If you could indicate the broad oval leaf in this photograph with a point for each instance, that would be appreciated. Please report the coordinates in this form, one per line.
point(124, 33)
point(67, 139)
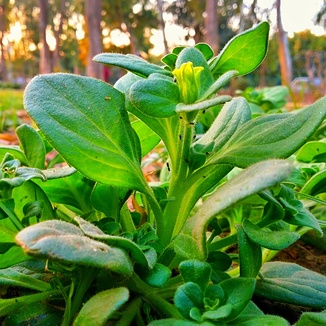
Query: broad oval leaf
point(238, 293)
point(131, 63)
point(66, 243)
point(98, 309)
point(243, 53)
point(86, 121)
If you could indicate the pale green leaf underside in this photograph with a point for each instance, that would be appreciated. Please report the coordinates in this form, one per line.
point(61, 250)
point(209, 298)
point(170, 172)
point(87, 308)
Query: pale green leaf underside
point(249, 181)
point(85, 120)
point(65, 242)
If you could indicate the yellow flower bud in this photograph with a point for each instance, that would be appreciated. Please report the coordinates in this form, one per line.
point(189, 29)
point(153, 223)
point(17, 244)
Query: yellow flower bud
point(188, 79)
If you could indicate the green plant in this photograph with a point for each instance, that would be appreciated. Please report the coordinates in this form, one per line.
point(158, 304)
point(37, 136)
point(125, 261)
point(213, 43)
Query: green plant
point(93, 261)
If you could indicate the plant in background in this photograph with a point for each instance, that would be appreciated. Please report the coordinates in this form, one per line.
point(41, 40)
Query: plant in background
point(87, 259)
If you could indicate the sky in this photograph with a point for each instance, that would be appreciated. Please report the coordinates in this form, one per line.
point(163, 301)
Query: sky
point(297, 15)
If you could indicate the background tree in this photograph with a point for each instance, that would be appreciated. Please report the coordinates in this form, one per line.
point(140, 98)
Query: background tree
point(211, 25)
point(3, 27)
point(283, 48)
point(93, 9)
point(45, 54)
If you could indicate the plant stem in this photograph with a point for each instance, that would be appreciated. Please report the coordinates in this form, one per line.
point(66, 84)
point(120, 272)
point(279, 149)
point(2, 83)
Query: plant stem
point(13, 218)
point(88, 275)
point(164, 308)
point(180, 168)
point(126, 221)
point(130, 312)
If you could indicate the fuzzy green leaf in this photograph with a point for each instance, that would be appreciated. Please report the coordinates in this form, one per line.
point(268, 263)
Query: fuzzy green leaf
point(85, 120)
point(274, 240)
point(291, 283)
point(271, 136)
point(131, 63)
point(196, 271)
point(155, 97)
point(249, 253)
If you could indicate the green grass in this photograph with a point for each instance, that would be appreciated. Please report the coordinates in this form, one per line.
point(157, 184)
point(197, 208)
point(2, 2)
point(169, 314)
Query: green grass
point(11, 100)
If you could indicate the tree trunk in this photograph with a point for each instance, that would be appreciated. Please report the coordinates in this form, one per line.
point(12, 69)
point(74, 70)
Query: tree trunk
point(45, 54)
point(211, 25)
point(93, 10)
point(162, 25)
point(3, 69)
point(57, 33)
point(283, 48)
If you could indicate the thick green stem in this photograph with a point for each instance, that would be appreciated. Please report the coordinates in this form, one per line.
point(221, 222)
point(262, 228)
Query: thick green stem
point(89, 274)
point(180, 168)
point(164, 308)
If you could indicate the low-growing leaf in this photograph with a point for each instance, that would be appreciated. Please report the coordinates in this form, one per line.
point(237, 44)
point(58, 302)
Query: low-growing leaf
point(98, 309)
point(109, 199)
point(74, 190)
point(312, 319)
point(291, 283)
point(261, 320)
point(316, 184)
point(157, 277)
point(238, 293)
point(21, 276)
point(274, 240)
point(15, 151)
point(188, 296)
point(196, 271)
point(65, 242)
point(31, 192)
